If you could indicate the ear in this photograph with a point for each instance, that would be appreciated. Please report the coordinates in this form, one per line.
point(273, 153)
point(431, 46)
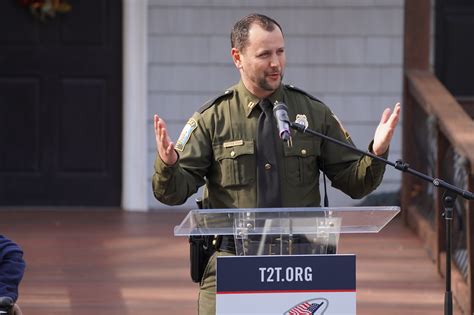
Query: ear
point(236, 57)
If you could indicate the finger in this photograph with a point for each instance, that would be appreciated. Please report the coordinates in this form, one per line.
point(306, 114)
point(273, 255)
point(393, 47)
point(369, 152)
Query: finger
point(170, 148)
point(385, 116)
point(395, 117)
point(155, 122)
point(161, 126)
point(165, 139)
point(398, 108)
point(161, 134)
point(162, 123)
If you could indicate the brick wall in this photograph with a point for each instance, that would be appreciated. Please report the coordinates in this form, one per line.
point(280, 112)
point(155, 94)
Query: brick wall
point(348, 53)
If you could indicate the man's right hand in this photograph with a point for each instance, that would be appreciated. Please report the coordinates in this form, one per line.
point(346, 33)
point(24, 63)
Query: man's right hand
point(163, 142)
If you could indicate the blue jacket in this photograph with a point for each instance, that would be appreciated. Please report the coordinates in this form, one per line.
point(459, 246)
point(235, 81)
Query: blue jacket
point(12, 267)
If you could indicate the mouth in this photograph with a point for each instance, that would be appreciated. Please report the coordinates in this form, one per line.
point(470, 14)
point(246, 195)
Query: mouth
point(274, 76)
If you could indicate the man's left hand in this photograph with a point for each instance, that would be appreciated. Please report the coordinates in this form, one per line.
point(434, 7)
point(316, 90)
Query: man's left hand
point(385, 130)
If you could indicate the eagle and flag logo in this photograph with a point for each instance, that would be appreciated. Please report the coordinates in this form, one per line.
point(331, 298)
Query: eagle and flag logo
point(309, 307)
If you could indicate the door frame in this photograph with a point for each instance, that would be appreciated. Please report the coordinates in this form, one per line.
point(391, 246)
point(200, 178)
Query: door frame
point(135, 91)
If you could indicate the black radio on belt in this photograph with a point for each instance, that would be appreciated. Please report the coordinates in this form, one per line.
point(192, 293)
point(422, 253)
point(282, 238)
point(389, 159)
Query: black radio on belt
point(201, 248)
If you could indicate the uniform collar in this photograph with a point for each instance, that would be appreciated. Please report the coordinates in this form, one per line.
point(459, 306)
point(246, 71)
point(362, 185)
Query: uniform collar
point(250, 101)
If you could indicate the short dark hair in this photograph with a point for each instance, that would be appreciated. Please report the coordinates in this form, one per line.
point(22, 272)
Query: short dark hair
point(240, 32)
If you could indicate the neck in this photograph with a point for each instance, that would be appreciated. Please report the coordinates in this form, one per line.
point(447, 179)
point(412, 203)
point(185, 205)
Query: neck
point(258, 92)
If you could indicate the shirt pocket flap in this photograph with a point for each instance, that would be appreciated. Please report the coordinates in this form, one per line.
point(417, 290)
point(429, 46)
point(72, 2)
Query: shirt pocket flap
point(302, 148)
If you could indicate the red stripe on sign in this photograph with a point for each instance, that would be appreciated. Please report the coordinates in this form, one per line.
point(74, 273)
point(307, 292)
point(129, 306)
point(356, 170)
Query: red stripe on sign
point(284, 291)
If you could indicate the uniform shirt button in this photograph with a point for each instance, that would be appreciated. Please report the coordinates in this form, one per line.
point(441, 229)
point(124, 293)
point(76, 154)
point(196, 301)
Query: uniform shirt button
point(232, 154)
point(303, 152)
point(268, 166)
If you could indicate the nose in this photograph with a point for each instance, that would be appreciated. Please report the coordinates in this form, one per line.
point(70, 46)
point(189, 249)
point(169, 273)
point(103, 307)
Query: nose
point(275, 61)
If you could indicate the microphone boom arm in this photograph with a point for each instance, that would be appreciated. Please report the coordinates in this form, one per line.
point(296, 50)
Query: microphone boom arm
point(399, 164)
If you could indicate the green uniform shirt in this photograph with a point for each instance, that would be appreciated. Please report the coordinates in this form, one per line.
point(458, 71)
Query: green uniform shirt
point(217, 148)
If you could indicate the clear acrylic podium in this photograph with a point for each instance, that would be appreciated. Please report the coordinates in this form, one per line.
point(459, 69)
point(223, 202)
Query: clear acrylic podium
point(285, 231)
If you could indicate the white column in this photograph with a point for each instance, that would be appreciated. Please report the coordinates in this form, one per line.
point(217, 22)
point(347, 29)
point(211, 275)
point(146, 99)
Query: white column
point(135, 86)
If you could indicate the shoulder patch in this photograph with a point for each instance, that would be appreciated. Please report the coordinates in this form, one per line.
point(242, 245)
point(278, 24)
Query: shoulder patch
point(294, 88)
point(185, 134)
point(214, 100)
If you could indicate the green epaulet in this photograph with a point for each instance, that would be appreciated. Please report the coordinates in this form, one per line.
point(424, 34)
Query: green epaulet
point(212, 101)
point(294, 88)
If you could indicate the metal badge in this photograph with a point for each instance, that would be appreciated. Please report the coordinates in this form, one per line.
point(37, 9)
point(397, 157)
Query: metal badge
point(302, 120)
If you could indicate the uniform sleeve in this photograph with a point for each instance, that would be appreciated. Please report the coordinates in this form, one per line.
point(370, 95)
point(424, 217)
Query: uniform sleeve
point(173, 185)
point(349, 172)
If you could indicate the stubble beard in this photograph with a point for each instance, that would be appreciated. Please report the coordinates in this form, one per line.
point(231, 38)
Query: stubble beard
point(267, 86)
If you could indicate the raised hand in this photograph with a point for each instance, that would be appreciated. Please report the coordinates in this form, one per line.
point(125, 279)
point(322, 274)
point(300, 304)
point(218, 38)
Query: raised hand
point(385, 129)
point(164, 145)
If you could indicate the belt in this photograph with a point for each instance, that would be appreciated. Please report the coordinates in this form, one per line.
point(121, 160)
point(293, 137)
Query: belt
point(226, 243)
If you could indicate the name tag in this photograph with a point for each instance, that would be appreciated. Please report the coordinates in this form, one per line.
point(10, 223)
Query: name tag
point(233, 143)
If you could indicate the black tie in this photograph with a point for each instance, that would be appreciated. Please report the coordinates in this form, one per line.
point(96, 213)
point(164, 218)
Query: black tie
point(268, 177)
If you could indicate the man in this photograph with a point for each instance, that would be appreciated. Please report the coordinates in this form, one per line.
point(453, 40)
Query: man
point(226, 144)
point(12, 267)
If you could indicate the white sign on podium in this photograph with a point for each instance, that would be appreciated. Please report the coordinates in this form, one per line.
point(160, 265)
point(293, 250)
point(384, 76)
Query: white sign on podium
point(287, 285)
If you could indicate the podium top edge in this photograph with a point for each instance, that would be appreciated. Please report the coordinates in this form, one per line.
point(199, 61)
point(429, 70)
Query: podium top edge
point(298, 209)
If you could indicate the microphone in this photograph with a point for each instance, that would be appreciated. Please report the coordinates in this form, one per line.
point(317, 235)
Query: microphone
point(280, 111)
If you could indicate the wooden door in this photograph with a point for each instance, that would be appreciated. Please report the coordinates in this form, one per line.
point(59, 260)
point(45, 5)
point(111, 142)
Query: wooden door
point(61, 105)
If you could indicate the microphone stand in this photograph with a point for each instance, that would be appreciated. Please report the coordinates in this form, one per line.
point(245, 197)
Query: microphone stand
point(449, 198)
